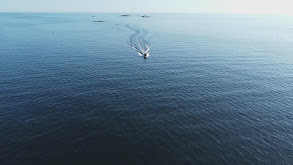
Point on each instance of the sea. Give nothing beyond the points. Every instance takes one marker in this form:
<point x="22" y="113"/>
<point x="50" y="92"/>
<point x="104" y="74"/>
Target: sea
<point x="215" y="89"/>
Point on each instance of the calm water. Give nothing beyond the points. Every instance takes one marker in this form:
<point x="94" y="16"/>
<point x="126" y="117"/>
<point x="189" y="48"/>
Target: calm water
<point x="216" y="89"/>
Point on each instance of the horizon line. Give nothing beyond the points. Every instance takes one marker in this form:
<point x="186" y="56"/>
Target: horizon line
<point x="146" y="12"/>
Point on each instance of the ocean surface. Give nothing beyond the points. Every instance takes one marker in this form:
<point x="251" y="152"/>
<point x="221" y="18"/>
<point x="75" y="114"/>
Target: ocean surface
<point x="216" y="89"/>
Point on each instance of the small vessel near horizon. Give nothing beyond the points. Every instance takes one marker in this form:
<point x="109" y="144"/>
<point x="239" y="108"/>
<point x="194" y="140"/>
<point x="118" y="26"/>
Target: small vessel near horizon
<point x="145" y="16"/>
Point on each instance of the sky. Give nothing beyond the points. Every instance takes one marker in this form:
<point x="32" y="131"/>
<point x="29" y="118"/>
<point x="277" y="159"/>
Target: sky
<point x="150" y="6"/>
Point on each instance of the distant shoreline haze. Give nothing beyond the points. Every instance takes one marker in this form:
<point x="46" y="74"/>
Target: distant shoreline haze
<point x="151" y="6"/>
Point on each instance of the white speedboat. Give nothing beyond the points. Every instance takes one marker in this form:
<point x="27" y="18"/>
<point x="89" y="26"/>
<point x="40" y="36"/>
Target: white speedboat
<point x="142" y="52"/>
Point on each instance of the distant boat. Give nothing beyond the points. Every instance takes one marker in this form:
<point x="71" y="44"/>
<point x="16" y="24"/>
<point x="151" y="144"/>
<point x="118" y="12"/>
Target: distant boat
<point x="141" y="52"/>
<point x="99" y="21"/>
<point x="145" y="16"/>
<point x="125" y="15"/>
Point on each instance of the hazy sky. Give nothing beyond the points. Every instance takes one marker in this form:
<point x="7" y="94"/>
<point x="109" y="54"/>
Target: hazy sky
<point x="150" y="6"/>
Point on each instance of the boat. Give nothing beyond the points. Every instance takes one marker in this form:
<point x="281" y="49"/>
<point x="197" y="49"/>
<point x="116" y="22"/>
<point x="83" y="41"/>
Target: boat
<point x="141" y="51"/>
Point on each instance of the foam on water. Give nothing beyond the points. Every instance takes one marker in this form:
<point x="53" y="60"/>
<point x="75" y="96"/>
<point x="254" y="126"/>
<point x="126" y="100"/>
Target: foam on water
<point x="137" y="41"/>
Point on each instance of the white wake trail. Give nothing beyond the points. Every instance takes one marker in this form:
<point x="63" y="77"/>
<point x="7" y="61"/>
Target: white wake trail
<point x="138" y="43"/>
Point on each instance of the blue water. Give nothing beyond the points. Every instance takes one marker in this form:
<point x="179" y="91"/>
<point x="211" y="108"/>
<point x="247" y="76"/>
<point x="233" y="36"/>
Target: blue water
<point x="216" y="89"/>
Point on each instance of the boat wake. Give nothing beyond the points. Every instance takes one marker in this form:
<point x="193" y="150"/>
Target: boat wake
<point x="138" y="43"/>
